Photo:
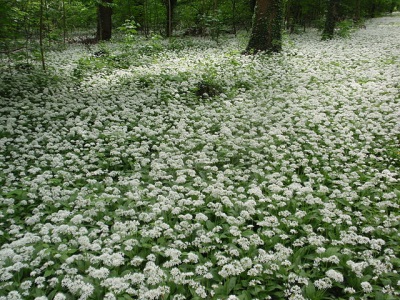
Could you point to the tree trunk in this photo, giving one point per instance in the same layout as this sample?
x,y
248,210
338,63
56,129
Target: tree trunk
x,y
330,22
392,6
372,11
293,15
146,27
104,25
64,20
234,26
170,6
252,5
41,36
266,33
357,15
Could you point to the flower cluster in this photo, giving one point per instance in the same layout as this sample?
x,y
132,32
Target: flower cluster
x,y
202,173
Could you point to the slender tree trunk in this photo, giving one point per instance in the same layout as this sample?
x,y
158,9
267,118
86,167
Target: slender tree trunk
x,y
41,36
330,22
47,22
145,18
169,19
392,6
234,27
372,11
357,15
266,33
104,25
64,20
170,6
293,15
252,5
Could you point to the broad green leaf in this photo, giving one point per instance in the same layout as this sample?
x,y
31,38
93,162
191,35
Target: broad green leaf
x,y
310,290
230,284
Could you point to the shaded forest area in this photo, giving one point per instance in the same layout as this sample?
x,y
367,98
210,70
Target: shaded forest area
x,y
29,27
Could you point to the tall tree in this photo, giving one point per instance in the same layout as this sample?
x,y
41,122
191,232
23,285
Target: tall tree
x,y
331,18
64,22
357,11
170,6
104,24
266,32
234,25
41,35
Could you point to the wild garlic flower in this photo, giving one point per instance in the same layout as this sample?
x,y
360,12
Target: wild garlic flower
x,y
323,284
334,275
366,287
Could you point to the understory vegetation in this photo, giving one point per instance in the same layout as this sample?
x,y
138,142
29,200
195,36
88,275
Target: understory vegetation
x,y
182,169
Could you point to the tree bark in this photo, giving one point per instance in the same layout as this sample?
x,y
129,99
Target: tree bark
x,y
64,21
293,15
41,36
372,11
330,22
266,32
357,15
234,26
104,25
170,6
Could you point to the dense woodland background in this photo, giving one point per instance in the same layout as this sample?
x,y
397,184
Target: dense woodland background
x,y
25,23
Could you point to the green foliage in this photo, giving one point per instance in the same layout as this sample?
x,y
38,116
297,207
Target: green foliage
x,y
208,88
213,24
100,61
345,28
112,150
129,27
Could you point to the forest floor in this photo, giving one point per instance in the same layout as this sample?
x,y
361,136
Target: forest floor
x,y
182,169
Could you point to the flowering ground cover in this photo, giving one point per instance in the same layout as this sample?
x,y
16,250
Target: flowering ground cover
x,y
185,170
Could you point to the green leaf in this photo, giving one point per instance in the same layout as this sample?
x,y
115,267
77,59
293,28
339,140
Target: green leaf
x,y
310,290
210,225
247,233
230,284
220,291
379,296
332,251
48,273
245,295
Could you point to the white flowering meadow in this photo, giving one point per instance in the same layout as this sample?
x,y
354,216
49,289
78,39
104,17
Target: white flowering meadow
x,y
185,170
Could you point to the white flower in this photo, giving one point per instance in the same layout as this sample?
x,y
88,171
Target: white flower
x,y
112,260
366,286
153,273
115,284
26,285
231,269
323,284
14,295
98,273
349,290
59,296
201,217
110,296
334,275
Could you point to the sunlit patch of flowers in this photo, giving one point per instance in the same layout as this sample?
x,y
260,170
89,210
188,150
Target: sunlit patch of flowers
x,y
279,180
